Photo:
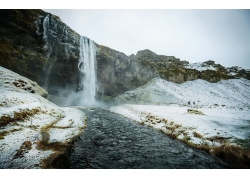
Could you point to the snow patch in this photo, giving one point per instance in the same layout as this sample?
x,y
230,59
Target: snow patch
x,y
28,120
213,127
200,66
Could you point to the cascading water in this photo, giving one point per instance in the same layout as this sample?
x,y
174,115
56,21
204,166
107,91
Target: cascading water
x,y
54,42
58,40
87,69
48,48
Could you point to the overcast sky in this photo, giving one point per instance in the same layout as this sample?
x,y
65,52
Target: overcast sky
x,y
192,35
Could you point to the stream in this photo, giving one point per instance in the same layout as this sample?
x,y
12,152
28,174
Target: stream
x,y
111,141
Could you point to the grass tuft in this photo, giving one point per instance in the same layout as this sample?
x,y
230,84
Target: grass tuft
x,y
23,149
197,135
235,155
18,116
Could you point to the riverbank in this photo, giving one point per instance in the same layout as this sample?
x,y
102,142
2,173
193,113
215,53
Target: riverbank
x,y
219,130
33,131
112,141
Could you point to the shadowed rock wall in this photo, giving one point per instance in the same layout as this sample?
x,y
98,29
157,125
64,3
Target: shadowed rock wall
x,y
39,46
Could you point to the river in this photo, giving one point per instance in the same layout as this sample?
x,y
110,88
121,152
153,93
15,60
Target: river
x,y
112,141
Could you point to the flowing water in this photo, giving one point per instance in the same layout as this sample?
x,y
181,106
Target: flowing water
x,y
86,91
52,44
87,68
112,141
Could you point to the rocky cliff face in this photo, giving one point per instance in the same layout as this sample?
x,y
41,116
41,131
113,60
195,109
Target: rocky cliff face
x,y
117,73
175,70
39,46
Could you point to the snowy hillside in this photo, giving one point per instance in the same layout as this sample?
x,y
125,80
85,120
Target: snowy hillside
x,y
228,93
33,131
220,115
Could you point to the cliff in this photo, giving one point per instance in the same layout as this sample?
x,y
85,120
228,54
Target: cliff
x,y
117,73
39,46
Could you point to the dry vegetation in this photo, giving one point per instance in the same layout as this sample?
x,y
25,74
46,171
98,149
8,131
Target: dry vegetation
x,y
197,135
235,155
18,116
26,146
194,111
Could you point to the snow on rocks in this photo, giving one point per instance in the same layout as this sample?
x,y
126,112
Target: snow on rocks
x,y
200,66
33,131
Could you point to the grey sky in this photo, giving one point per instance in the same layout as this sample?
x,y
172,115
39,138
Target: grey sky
x,y
192,35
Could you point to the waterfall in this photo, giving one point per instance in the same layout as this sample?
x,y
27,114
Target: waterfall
x,y
58,41
55,37
87,69
49,46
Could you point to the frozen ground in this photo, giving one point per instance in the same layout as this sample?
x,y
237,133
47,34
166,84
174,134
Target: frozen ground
x,y
221,113
33,130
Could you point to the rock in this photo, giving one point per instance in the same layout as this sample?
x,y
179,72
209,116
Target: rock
x,y
39,46
23,48
118,73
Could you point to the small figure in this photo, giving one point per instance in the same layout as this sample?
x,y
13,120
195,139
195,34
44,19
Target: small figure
x,y
194,103
134,95
188,102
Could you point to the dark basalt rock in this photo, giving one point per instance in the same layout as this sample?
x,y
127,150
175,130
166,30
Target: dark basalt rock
x,y
39,46
22,48
117,73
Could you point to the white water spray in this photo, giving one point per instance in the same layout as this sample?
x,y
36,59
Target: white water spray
x,y
87,68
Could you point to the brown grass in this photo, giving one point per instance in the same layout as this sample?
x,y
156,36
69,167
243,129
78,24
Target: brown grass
x,y
194,111
23,149
56,147
185,139
18,116
221,140
235,155
165,120
4,133
197,135
177,126
47,161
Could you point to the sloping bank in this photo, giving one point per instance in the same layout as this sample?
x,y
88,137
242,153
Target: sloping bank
x,y
218,123
33,131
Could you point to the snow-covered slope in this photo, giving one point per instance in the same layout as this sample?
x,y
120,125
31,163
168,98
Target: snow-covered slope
x,y
221,113
33,131
213,126
11,81
229,93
